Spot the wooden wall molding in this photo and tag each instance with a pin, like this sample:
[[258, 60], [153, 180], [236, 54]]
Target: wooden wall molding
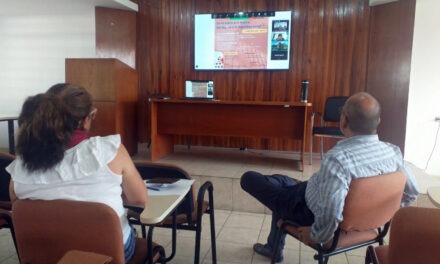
[[116, 34]]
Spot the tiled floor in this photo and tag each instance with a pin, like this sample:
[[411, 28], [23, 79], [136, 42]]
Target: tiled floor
[[239, 219]]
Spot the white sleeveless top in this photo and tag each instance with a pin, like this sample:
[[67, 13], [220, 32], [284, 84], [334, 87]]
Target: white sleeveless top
[[83, 175]]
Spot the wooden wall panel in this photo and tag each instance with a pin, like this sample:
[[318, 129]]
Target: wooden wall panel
[[389, 66], [329, 47], [116, 34]]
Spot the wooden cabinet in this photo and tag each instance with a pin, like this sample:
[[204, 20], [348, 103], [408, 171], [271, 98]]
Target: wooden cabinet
[[113, 86]]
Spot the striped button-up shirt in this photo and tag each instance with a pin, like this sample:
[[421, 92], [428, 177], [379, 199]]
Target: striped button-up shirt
[[354, 157]]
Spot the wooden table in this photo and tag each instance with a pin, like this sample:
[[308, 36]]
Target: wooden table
[[11, 133], [286, 120], [434, 195]]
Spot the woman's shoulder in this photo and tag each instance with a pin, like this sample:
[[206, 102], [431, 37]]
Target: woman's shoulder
[[86, 158], [102, 148], [108, 140], [98, 143]]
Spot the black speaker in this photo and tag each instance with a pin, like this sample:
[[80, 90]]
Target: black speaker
[[304, 90]]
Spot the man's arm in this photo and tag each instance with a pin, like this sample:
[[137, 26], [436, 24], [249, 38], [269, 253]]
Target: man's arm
[[332, 190]]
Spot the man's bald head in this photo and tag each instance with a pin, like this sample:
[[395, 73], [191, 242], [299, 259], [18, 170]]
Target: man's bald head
[[362, 112]]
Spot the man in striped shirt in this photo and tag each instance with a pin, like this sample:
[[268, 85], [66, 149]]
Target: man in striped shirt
[[319, 201]]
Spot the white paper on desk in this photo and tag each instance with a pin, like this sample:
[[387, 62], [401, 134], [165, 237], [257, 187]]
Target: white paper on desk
[[181, 186]]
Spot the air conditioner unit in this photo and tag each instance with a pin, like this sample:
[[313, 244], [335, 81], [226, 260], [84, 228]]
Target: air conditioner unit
[[381, 2]]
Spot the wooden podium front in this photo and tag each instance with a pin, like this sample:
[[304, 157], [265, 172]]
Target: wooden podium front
[[114, 89]]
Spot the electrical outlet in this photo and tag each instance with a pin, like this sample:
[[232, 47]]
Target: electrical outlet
[[437, 119]]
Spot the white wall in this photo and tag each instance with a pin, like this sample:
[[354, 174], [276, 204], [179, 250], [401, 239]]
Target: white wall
[[424, 91], [35, 39], [33, 48]]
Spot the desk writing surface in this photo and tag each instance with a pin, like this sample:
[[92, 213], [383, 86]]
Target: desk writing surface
[[159, 207], [179, 187], [161, 203]]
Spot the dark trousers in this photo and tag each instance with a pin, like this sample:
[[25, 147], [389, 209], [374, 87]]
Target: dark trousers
[[281, 194]]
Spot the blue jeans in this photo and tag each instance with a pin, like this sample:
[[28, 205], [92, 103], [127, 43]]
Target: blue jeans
[[129, 246], [281, 194]]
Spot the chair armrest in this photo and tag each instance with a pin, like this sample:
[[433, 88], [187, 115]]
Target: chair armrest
[[135, 209], [289, 227], [302, 233], [312, 119], [206, 187], [5, 212], [316, 113], [84, 257], [293, 229], [149, 170], [6, 215], [6, 205], [283, 223]]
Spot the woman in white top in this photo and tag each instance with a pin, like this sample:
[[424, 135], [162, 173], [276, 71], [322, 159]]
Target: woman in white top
[[57, 159]]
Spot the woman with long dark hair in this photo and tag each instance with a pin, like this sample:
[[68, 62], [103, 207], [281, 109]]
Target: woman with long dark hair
[[58, 160]]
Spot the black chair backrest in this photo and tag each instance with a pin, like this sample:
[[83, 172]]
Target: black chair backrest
[[333, 108], [150, 171], [5, 178]]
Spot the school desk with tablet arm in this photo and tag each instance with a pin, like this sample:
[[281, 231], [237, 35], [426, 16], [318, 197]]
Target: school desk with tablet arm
[[162, 201]]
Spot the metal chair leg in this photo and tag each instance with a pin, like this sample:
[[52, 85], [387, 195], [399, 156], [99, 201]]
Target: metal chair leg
[[322, 147], [197, 249], [212, 223], [311, 150]]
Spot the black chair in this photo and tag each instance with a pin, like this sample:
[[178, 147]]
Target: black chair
[[189, 213], [332, 114], [5, 202], [6, 222], [5, 178]]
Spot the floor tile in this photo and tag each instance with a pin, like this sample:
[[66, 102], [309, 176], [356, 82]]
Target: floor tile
[[244, 236], [240, 221], [230, 252], [245, 220], [185, 248]]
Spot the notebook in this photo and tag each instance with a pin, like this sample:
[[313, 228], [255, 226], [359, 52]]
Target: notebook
[[199, 89]]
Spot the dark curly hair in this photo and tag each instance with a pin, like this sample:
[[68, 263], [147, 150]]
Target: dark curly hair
[[46, 124]]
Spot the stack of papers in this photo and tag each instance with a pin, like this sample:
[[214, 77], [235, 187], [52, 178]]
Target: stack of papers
[[179, 187]]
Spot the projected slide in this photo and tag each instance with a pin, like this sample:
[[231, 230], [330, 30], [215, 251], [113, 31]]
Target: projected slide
[[242, 43]]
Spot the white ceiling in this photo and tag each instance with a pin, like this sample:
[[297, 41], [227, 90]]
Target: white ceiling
[[44, 7]]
